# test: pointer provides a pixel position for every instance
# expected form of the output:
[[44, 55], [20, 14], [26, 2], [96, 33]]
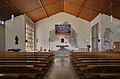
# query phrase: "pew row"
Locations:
[[97, 65], [25, 65]]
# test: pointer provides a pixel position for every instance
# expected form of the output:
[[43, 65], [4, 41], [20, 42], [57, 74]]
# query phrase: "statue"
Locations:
[[16, 40]]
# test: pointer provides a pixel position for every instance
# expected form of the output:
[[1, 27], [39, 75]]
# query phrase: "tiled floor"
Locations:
[[61, 69]]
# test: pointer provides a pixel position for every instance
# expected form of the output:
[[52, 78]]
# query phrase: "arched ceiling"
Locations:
[[40, 9]]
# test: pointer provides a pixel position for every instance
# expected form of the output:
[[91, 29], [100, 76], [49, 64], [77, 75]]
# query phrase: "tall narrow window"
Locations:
[[29, 38]]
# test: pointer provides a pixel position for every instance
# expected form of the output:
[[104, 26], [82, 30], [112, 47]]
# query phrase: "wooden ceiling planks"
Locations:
[[76, 2], [85, 9], [88, 14], [62, 5], [114, 11], [70, 8], [25, 5], [2, 2], [49, 2], [37, 14], [6, 10], [81, 7], [43, 8], [111, 4], [3, 11], [93, 5], [53, 8]]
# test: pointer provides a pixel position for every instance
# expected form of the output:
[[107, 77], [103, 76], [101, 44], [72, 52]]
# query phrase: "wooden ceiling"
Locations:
[[40, 9]]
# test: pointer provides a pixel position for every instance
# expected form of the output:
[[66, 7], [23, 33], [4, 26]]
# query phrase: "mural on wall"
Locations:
[[65, 30]]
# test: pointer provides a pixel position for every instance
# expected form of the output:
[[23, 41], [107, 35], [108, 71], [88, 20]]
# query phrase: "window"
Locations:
[[62, 40], [29, 38]]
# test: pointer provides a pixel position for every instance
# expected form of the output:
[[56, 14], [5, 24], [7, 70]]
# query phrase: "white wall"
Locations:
[[115, 25], [96, 20], [92, 23], [17, 28], [104, 21], [82, 27], [12, 29]]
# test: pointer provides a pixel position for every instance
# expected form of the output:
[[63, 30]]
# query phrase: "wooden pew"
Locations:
[[96, 65], [24, 66]]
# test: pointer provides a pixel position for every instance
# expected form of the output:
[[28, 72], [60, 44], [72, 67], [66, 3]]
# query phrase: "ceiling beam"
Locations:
[[111, 6], [43, 8], [80, 8]]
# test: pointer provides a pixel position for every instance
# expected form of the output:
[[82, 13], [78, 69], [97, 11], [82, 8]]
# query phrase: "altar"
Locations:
[[62, 52], [62, 46]]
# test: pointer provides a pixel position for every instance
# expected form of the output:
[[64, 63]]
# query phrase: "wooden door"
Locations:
[[116, 46]]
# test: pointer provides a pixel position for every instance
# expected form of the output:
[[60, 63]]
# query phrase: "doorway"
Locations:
[[94, 35]]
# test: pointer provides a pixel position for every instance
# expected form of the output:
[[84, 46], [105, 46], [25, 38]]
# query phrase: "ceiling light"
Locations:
[[12, 18], [2, 22], [111, 18]]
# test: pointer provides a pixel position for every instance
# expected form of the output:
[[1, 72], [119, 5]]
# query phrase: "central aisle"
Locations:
[[61, 69]]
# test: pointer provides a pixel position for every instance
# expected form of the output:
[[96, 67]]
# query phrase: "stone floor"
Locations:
[[61, 69]]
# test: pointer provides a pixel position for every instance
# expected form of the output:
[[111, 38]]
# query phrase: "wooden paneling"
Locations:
[[86, 9], [49, 2], [70, 8], [54, 8], [77, 2], [25, 5], [88, 14], [98, 4], [2, 2], [85, 14], [6, 10], [37, 14], [115, 10]]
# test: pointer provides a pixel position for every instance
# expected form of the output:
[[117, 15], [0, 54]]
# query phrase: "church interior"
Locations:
[[59, 39]]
